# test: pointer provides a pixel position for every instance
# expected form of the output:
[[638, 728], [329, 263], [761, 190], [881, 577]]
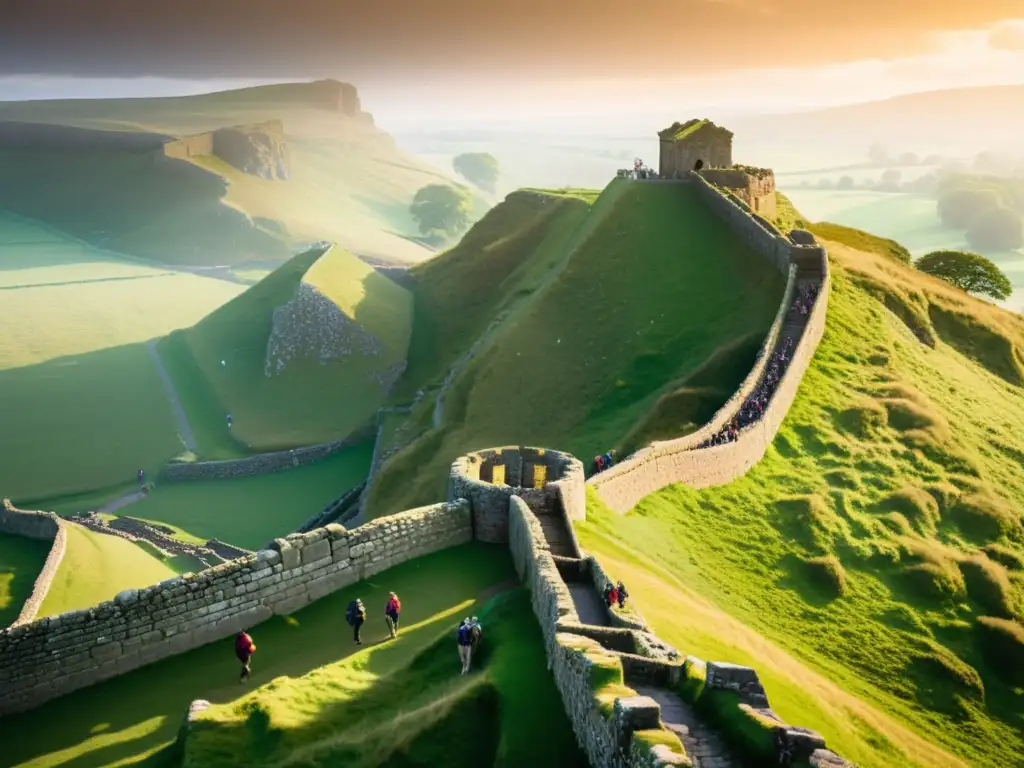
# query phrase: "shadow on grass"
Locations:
[[138, 713], [21, 560]]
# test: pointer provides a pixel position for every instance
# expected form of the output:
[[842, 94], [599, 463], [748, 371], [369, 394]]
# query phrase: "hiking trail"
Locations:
[[184, 430], [704, 747]]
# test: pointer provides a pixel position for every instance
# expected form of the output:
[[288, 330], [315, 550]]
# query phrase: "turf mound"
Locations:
[[507, 712], [889, 507], [648, 288], [304, 356], [348, 180]]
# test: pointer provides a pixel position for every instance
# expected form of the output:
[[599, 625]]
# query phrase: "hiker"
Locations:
[[244, 649], [356, 615], [476, 635], [609, 459], [598, 464], [464, 637], [142, 476], [623, 594], [611, 595], [229, 420], [391, 611]]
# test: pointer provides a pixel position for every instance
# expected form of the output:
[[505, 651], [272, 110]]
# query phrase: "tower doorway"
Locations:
[[698, 165]]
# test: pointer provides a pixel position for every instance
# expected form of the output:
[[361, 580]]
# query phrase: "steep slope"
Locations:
[[880, 541], [348, 180], [651, 285], [304, 356]]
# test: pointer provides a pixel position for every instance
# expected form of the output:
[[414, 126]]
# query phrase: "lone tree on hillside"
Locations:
[[960, 205], [997, 229], [967, 271], [478, 168], [441, 209]]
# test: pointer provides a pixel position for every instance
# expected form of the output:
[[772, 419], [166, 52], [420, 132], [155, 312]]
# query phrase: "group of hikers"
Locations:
[[467, 636], [605, 461], [615, 593], [753, 407]]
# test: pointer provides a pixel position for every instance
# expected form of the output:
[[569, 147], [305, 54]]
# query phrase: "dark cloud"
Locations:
[[303, 38]]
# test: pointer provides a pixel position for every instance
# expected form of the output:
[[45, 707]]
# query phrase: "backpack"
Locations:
[[463, 634], [352, 613]]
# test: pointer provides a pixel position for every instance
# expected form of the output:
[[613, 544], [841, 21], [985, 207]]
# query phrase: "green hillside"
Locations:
[[349, 182], [871, 566], [220, 365], [21, 560], [648, 288]]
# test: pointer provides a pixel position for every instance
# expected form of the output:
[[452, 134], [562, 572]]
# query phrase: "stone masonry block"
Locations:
[[316, 551], [289, 554], [106, 651]]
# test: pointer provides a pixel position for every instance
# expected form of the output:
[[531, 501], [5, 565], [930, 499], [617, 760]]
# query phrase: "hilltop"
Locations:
[[563, 318], [88, 166], [306, 355]]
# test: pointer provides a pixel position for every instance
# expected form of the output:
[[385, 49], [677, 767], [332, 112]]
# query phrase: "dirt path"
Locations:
[[704, 747], [120, 503], [179, 412]]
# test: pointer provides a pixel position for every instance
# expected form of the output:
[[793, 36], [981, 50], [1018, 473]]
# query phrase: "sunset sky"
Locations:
[[417, 62]]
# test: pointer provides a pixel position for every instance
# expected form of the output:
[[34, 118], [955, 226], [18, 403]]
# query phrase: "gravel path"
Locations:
[[179, 412], [704, 747]]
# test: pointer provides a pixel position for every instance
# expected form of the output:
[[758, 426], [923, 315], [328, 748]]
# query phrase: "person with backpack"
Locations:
[[476, 634], [598, 464], [464, 637], [622, 594], [611, 595], [391, 611], [244, 649], [356, 615], [609, 459]]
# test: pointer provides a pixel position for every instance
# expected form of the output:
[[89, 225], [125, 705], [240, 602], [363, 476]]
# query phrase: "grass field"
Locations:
[[640, 305], [349, 181], [219, 365], [866, 547], [132, 719], [251, 511], [21, 560], [96, 566]]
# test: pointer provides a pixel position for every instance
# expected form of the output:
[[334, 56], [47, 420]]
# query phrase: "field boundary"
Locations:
[[46, 526]]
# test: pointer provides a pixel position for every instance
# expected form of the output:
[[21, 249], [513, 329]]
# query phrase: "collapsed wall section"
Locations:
[[45, 526], [53, 656]]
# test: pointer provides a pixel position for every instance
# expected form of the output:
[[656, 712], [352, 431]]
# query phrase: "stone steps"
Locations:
[[704, 746]]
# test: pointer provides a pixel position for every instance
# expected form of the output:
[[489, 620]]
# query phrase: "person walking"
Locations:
[[244, 649], [622, 594], [391, 611], [464, 637], [356, 615]]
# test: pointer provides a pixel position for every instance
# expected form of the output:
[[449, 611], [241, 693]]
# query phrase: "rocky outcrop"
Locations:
[[260, 150], [313, 326]]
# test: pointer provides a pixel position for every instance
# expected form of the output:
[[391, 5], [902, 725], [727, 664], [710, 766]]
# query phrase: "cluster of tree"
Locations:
[[989, 209], [880, 157], [968, 271], [891, 180], [442, 211], [478, 168]]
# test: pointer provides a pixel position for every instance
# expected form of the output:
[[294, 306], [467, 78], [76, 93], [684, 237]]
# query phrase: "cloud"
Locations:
[[1007, 36]]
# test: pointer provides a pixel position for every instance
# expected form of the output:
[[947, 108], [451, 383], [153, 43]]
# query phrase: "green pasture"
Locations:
[[133, 719], [21, 560], [219, 365], [853, 564], [96, 566], [249, 512], [653, 288]]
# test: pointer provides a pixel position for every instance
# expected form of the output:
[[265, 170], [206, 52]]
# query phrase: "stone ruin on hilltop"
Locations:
[[259, 149], [701, 146]]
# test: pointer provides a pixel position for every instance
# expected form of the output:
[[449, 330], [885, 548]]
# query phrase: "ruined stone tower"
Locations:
[[693, 145]]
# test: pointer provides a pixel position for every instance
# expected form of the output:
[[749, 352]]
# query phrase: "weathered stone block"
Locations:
[[318, 550]]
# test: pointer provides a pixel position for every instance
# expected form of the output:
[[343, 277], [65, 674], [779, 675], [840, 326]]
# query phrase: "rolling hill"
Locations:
[[306, 355], [91, 167], [567, 317]]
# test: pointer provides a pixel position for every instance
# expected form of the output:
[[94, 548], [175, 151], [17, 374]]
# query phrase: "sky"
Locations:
[[422, 63]]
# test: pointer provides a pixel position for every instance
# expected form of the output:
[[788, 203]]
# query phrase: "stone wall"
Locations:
[[261, 464], [259, 149], [489, 478], [757, 191], [54, 656], [198, 145], [35, 525]]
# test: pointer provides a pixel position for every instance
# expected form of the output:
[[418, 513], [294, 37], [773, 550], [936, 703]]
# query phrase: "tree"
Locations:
[[959, 206], [877, 154], [967, 271], [440, 208], [478, 168], [997, 229], [890, 181], [845, 182], [908, 158]]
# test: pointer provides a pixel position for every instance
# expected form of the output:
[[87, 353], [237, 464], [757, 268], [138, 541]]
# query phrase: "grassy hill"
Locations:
[[607, 309], [21, 560], [220, 365], [872, 565], [350, 182], [134, 718]]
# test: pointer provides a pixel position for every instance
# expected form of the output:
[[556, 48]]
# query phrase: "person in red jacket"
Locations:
[[391, 611], [244, 649]]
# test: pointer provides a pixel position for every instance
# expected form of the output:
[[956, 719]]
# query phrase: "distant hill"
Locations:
[[348, 183], [955, 120], [304, 356]]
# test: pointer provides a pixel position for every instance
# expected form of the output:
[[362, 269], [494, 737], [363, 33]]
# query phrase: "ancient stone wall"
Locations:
[[35, 525], [754, 186], [198, 145], [54, 656], [261, 464], [544, 479]]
